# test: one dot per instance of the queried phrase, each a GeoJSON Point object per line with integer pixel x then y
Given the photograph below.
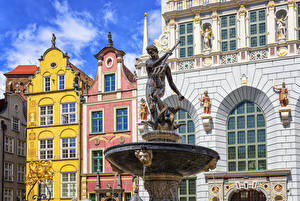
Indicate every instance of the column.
{"type": "Point", "coordinates": [242, 27]}
{"type": "Point", "coordinates": [271, 23]}
{"type": "Point", "coordinates": [197, 34]}
{"type": "Point", "coordinates": [215, 28]}
{"type": "Point", "coordinates": [145, 41]}
{"type": "Point", "coordinates": [172, 40]}
{"type": "Point", "coordinates": [292, 19]}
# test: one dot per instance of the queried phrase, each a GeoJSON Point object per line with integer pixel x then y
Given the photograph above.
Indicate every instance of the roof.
{"type": "Point", "coordinates": [83, 76]}
{"type": "Point", "coordinates": [129, 74]}
{"type": "Point", "coordinates": [23, 70]}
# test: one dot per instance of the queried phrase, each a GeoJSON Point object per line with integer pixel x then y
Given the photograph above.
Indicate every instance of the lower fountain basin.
{"type": "Point", "coordinates": [168, 158]}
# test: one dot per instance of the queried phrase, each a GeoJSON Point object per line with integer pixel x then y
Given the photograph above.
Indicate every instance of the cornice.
{"type": "Point", "coordinates": [207, 8]}
{"type": "Point", "coordinates": [267, 173]}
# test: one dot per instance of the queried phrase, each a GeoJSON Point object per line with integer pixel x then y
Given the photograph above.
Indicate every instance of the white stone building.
{"type": "Point", "coordinates": [236, 50]}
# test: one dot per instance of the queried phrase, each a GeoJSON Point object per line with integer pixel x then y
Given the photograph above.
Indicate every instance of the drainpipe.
{"type": "Point", "coordinates": [76, 85]}
{"type": "Point", "coordinates": [3, 128]}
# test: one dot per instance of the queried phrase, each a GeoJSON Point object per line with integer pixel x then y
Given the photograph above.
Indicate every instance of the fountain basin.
{"type": "Point", "coordinates": [169, 158]}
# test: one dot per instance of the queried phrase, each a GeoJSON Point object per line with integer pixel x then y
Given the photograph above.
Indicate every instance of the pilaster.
{"type": "Point", "coordinates": [100, 76]}
{"type": "Point", "coordinates": [292, 18]}
{"type": "Point", "coordinates": [271, 22]}
{"type": "Point", "coordinates": [172, 26]}
{"type": "Point", "coordinates": [215, 31]}
{"type": "Point", "coordinates": [119, 66]}
{"type": "Point", "coordinates": [242, 27]}
{"type": "Point", "coordinates": [197, 35]}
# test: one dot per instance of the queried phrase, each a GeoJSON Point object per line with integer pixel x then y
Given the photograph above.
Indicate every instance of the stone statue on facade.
{"type": "Point", "coordinates": [281, 27]}
{"type": "Point", "coordinates": [207, 35]}
{"type": "Point", "coordinates": [205, 100]}
{"type": "Point", "coordinates": [53, 40]}
{"type": "Point", "coordinates": [158, 71]}
{"type": "Point", "coordinates": [283, 94]}
{"type": "Point", "coordinates": [143, 110]}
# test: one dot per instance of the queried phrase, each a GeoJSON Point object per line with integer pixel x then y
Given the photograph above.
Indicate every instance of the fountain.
{"type": "Point", "coordinates": [161, 161]}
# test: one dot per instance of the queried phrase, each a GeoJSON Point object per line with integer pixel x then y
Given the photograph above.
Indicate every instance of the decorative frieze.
{"type": "Point", "coordinates": [186, 65]}
{"type": "Point", "coordinates": [258, 55]}
{"type": "Point", "coordinates": [229, 59]}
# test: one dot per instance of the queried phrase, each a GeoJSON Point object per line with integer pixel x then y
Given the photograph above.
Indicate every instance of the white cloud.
{"type": "Point", "coordinates": [74, 31]}
{"type": "Point", "coordinates": [154, 24]}
{"type": "Point", "coordinates": [109, 13]}
{"type": "Point", "coordinates": [129, 61]}
{"type": "Point", "coordinates": [2, 84]}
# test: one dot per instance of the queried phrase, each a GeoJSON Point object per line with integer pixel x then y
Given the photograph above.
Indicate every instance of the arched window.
{"type": "Point", "coordinates": [187, 131]}
{"type": "Point", "coordinates": [246, 138]}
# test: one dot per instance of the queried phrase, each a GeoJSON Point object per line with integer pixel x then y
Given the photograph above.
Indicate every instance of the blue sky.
{"type": "Point", "coordinates": [80, 26]}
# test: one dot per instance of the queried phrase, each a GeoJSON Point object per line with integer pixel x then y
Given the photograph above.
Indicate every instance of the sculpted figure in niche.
{"type": "Point", "coordinates": [283, 94]}
{"type": "Point", "coordinates": [143, 110]}
{"type": "Point", "coordinates": [205, 100]}
{"type": "Point", "coordinates": [207, 35]}
{"type": "Point", "coordinates": [281, 27]}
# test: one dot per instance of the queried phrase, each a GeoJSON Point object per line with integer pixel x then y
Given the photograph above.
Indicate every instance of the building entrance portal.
{"type": "Point", "coordinates": [251, 195]}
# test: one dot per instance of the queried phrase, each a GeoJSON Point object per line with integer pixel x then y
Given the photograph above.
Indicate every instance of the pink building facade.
{"type": "Point", "coordinates": [109, 118]}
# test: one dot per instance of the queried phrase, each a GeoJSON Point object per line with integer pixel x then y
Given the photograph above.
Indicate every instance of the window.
{"type": "Point", "coordinates": [228, 33]}
{"type": "Point", "coordinates": [45, 191]}
{"type": "Point", "coordinates": [127, 196]}
{"type": "Point", "coordinates": [9, 144]}
{"type": "Point", "coordinates": [179, 5]}
{"type": "Point", "coordinates": [68, 185]}
{"type": "Point", "coordinates": [15, 124]}
{"type": "Point", "coordinates": [61, 82]}
{"type": "Point", "coordinates": [21, 148]}
{"type": "Point", "coordinates": [97, 161]}
{"type": "Point", "coordinates": [68, 113]}
{"type": "Point", "coordinates": [122, 119]}
{"type": "Point", "coordinates": [189, 3]}
{"type": "Point", "coordinates": [47, 83]}
{"type": "Point", "coordinates": [46, 115]}
{"type": "Point", "coordinates": [8, 194]}
{"type": "Point", "coordinates": [187, 42]}
{"type": "Point", "coordinates": [21, 173]}
{"type": "Point", "coordinates": [187, 131]}
{"type": "Point", "coordinates": [46, 149]}
{"type": "Point", "coordinates": [97, 122]}
{"type": "Point", "coordinates": [21, 194]}
{"type": "Point", "coordinates": [68, 147]}
{"type": "Point", "coordinates": [110, 83]}
{"type": "Point", "coordinates": [92, 196]}
{"type": "Point", "coordinates": [257, 28]}
{"type": "Point", "coordinates": [246, 138]}
{"type": "Point", "coordinates": [187, 190]}
{"type": "Point", "coordinates": [8, 171]}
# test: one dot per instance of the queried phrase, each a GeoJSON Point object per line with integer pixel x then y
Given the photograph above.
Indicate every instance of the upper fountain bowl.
{"type": "Point", "coordinates": [167, 158]}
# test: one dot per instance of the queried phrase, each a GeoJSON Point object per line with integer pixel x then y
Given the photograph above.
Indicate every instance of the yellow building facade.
{"type": "Point", "coordinates": [52, 123]}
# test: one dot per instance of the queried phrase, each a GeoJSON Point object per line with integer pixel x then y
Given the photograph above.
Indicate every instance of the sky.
{"type": "Point", "coordinates": [80, 26]}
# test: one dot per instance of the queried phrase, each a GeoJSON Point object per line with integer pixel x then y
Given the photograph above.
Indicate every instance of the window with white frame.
{"type": "Point", "coordinates": [46, 115]}
{"type": "Point", "coordinates": [68, 113]}
{"type": "Point", "coordinates": [179, 5]}
{"type": "Point", "coordinates": [21, 194]}
{"type": "Point", "coordinates": [21, 148]}
{"type": "Point", "coordinates": [8, 194]}
{"type": "Point", "coordinates": [8, 171]}
{"type": "Point", "coordinates": [61, 82]}
{"type": "Point", "coordinates": [68, 185]}
{"type": "Point", "coordinates": [228, 33]}
{"type": "Point", "coordinates": [47, 83]}
{"type": "Point", "coordinates": [258, 33]}
{"type": "Point", "coordinates": [9, 144]}
{"type": "Point", "coordinates": [46, 149]}
{"type": "Point", "coordinates": [186, 40]}
{"type": "Point", "coordinates": [189, 3]}
{"type": "Point", "coordinates": [21, 169]}
{"type": "Point", "coordinates": [68, 148]}
{"type": "Point", "coordinates": [15, 124]}
{"type": "Point", "coordinates": [45, 188]}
